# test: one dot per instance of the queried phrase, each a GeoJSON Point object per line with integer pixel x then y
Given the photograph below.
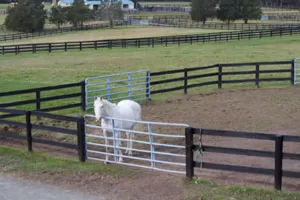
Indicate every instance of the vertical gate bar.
{"type": "Point", "coordinates": [108, 87]}
{"type": "Point", "coordinates": [294, 71]}
{"type": "Point", "coordinates": [151, 146]}
{"type": "Point", "coordinates": [114, 136]}
{"type": "Point", "coordinates": [86, 94]}
{"type": "Point", "coordinates": [129, 85]}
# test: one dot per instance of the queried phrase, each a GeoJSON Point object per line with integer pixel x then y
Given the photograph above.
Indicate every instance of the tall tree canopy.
{"type": "Point", "coordinates": [202, 9]}
{"type": "Point", "coordinates": [26, 16]}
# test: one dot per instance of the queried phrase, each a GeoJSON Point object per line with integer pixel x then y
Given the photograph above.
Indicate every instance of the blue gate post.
{"type": "Point", "coordinates": [148, 85]}
{"type": "Point", "coordinates": [108, 88]}
{"type": "Point", "coordinates": [151, 146]}
{"type": "Point", "coordinates": [129, 85]}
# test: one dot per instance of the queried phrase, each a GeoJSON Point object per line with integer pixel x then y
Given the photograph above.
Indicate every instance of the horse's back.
{"type": "Point", "coordinates": [130, 108]}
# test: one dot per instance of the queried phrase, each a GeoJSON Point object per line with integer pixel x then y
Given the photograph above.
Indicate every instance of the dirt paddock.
{"type": "Point", "coordinates": [267, 110]}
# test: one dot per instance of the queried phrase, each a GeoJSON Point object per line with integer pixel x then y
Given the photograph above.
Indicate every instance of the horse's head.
{"type": "Point", "coordinates": [99, 108]}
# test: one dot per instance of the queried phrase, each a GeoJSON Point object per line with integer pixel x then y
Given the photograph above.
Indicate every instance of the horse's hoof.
{"type": "Point", "coordinates": [106, 162]}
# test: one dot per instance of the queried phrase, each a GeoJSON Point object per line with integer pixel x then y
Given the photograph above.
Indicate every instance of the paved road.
{"type": "Point", "coordinates": [17, 189]}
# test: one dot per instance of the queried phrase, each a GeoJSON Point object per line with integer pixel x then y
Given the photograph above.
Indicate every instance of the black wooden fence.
{"type": "Point", "coordinates": [217, 75]}
{"type": "Point", "coordinates": [79, 132]}
{"type": "Point", "coordinates": [55, 31]}
{"type": "Point", "coordinates": [150, 42]}
{"type": "Point", "coordinates": [277, 154]}
{"type": "Point", "coordinates": [38, 93]}
{"type": "Point", "coordinates": [221, 26]}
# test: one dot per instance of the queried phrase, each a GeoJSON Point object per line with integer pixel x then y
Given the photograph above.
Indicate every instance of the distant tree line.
{"type": "Point", "coordinates": [30, 15]}
{"type": "Point", "coordinates": [228, 11]}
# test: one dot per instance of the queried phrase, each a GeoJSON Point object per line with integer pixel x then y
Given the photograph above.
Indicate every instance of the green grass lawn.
{"type": "Point", "coordinates": [210, 191]}
{"type": "Point", "coordinates": [14, 160]}
{"type": "Point", "coordinates": [43, 69]}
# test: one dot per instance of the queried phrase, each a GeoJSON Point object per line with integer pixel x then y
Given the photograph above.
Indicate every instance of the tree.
{"type": "Point", "coordinates": [228, 10]}
{"type": "Point", "coordinates": [202, 9]}
{"type": "Point", "coordinates": [26, 16]}
{"type": "Point", "coordinates": [110, 10]}
{"type": "Point", "coordinates": [250, 9]}
{"type": "Point", "coordinates": [78, 13]}
{"type": "Point", "coordinates": [58, 16]}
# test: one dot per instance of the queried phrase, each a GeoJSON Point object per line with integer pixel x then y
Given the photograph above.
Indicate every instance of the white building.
{"type": "Point", "coordinates": [95, 4]}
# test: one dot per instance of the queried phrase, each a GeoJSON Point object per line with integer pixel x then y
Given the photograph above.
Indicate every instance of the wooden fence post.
{"type": "Point", "coordinates": [185, 80]}
{"type": "Point", "coordinates": [189, 154]}
{"type": "Point", "coordinates": [38, 102]}
{"type": "Point", "coordinates": [293, 72]}
{"type": "Point", "coordinates": [278, 162]}
{"type": "Point", "coordinates": [81, 142]}
{"type": "Point", "coordinates": [83, 96]}
{"type": "Point", "coordinates": [257, 75]}
{"type": "Point", "coordinates": [28, 130]}
{"type": "Point", "coordinates": [220, 76]}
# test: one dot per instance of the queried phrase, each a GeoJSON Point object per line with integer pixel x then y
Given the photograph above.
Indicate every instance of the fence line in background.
{"type": "Point", "coordinates": [150, 42]}
{"type": "Point", "coordinates": [46, 32]}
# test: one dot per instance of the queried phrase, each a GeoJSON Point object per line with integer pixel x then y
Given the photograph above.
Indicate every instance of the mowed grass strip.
{"type": "Point", "coordinates": [17, 160]}
{"type": "Point", "coordinates": [205, 190]}
{"type": "Point", "coordinates": [114, 33]}
{"type": "Point", "coordinates": [43, 69]}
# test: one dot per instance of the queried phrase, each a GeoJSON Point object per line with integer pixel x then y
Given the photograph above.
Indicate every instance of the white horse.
{"type": "Point", "coordinates": [125, 109]}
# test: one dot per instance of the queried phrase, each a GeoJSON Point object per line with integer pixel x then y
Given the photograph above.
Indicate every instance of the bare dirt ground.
{"type": "Point", "coordinates": [268, 110]}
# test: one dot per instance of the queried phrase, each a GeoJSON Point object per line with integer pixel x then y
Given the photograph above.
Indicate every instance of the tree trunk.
{"type": "Point", "coordinates": [246, 21]}
{"type": "Point", "coordinates": [204, 21]}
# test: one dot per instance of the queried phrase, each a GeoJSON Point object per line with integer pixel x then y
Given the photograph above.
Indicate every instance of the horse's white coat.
{"type": "Point", "coordinates": [125, 109]}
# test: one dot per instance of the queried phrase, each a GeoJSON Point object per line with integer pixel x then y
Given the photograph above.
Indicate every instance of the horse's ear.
{"type": "Point", "coordinates": [95, 98]}
{"type": "Point", "coordinates": [101, 98]}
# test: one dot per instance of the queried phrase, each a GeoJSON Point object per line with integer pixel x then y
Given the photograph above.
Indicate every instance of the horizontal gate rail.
{"type": "Point", "coordinates": [147, 148]}
{"type": "Point", "coordinates": [115, 87]}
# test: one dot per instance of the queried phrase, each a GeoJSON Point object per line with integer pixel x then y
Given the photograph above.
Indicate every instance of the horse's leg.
{"type": "Point", "coordinates": [118, 145]}
{"type": "Point", "coordinates": [128, 139]}
{"type": "Point", "coordinates": [131, 136]}
{"type": "Point", "coordinates": [106, 148]}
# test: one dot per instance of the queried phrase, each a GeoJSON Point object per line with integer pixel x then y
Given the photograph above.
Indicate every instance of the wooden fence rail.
{"type": "Point", "coordinates": [79, 132]}
{"type": "Point", "coordinates": [221, 26]}
{"type": "Point", "coordinates": [216, 73]}
{"type": "Point", "coordinates": [277, 154]}
{"type": "Point", "coordinates": [150, 42]}
{"type": "Point", "coordinates": [39, 99]}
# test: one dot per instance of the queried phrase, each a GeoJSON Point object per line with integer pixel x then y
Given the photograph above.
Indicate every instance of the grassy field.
{"type": "Point", "coordinates": [36, 164]}
{"type": "Point", "coordinates": [42, 69]}
{"type": "Point", "coordinates": [115, 33]}
{"type": "Point", "coordinates": [13, 160]}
